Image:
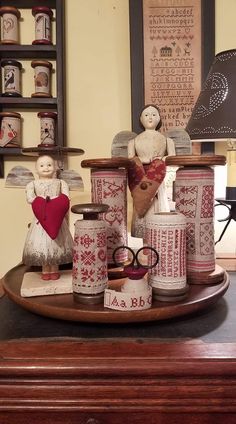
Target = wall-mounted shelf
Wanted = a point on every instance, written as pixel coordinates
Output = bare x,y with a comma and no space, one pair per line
10,151
25,51
28,52
28,102
28,4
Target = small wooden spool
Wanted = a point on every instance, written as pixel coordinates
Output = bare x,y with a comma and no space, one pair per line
10,24
47,129
12,78
10,129
42,78
43,16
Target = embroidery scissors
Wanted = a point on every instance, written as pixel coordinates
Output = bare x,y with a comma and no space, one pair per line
135,269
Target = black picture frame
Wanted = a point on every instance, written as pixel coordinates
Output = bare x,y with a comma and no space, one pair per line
137,55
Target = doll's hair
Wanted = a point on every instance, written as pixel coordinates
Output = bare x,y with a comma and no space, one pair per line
158,110
47,155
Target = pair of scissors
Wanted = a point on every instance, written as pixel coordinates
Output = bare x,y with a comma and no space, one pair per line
135,269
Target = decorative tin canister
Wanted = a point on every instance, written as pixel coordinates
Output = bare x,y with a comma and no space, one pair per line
42,78
10,134
43,16
89,274
12,81
47,128
166,232
10,25
194,197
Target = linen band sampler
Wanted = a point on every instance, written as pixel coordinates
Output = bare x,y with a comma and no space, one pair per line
172,58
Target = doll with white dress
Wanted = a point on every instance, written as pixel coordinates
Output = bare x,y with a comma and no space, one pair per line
49,242
146,179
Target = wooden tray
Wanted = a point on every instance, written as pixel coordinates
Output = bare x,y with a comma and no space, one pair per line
65,308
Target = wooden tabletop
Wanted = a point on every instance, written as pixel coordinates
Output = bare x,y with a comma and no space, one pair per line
178,371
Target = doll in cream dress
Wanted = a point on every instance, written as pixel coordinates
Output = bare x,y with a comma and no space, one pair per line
149,145
40,249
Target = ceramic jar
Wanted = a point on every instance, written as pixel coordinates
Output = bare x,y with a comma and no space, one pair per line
10,134
47,128
12,78
10,25
43,16
42,78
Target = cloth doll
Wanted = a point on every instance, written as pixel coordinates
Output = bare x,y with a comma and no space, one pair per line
48,242
146,178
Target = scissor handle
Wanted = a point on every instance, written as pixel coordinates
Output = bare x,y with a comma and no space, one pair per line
152,250
135,256
123,247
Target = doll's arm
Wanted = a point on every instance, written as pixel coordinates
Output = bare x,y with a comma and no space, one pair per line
30,192
170,147
64,188
131,149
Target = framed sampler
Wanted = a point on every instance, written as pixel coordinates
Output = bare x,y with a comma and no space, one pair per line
172,47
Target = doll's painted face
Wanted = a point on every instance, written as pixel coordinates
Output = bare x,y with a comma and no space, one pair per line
45,167
150,118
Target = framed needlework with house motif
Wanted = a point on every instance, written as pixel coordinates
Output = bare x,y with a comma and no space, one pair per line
172,48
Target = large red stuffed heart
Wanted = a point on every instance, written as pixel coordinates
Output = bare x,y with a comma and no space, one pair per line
144,181
51,212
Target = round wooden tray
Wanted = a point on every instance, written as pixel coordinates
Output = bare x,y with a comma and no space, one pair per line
65,308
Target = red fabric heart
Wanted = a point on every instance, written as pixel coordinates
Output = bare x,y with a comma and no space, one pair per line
51,212
144,181
139,172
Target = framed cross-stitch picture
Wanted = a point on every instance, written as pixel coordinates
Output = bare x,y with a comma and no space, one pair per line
172,48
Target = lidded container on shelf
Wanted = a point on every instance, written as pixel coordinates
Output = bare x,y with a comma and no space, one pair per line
42,78
43,16
10,25
11,78
10,134
47,129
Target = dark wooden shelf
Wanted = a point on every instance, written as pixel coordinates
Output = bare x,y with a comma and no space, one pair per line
10,151
28,102
28,4
27,51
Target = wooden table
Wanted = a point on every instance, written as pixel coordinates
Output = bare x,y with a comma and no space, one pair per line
181,370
